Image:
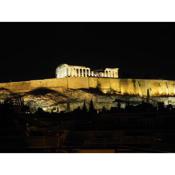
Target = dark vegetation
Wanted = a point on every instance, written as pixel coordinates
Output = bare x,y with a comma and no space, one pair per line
141,128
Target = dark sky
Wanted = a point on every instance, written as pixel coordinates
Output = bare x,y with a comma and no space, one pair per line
33,50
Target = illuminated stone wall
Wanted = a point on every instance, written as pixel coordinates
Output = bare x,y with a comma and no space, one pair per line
120,86
25,86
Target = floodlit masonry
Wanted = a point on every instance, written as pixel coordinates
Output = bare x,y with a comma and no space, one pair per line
136,87
65,70
107,81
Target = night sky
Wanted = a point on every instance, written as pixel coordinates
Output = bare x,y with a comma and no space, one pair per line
33,50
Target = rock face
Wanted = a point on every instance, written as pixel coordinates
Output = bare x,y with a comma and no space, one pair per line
6,94
67,100
67,94
134,87
70,99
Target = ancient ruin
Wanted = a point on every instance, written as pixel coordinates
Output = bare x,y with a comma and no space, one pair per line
65,70
75,84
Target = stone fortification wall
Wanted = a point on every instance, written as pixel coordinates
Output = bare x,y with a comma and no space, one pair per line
139,87
26,86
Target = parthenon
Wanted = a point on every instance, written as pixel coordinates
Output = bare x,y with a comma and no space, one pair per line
65,70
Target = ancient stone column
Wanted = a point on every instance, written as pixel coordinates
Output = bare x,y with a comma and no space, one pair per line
72,70
115,74
109,73
112,74
85,72
82,72
71,73
78,72
68,71
75,72
104,73
89,72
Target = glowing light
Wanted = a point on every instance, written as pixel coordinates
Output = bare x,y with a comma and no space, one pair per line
65,70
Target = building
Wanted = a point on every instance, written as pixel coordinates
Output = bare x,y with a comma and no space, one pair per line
65,70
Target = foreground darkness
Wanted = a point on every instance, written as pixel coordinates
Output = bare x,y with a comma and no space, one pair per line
136,129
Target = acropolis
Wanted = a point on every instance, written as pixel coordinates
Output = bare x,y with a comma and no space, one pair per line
65,70
73,77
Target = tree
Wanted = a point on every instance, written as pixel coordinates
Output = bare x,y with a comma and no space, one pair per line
84,109
91,107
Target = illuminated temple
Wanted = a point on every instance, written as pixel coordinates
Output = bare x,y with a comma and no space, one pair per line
65,70
77,84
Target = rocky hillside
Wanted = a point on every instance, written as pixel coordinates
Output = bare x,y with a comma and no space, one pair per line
69,99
